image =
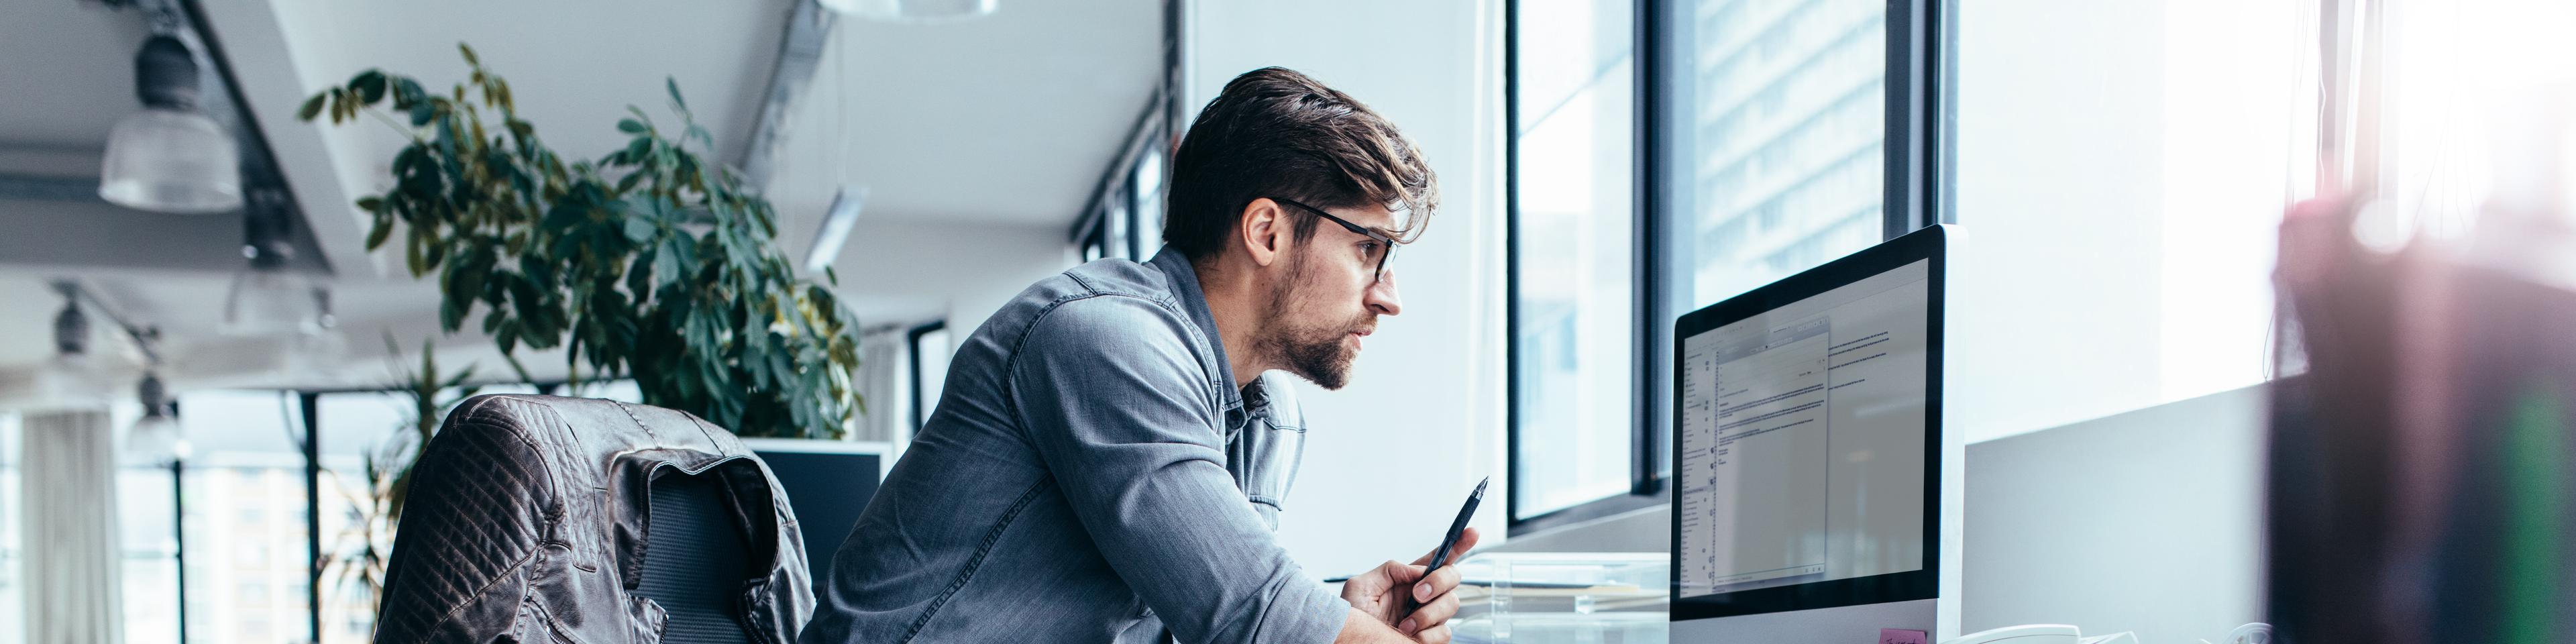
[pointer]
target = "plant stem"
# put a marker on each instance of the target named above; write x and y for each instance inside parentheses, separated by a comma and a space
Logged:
(412, 132)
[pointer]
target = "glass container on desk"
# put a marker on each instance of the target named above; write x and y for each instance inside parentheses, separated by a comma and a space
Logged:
(1591, 598)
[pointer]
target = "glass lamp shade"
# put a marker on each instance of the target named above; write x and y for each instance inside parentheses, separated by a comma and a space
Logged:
(154, 440)
(915, 11)
(319, 356)
(166, 160)
(272, 302)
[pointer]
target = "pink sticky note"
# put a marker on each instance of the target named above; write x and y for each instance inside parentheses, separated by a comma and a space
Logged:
(1902, 636)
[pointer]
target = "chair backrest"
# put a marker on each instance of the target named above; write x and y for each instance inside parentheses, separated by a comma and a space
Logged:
(695, 558)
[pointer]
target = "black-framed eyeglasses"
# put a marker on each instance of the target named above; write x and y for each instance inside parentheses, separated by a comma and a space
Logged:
(1388, 243)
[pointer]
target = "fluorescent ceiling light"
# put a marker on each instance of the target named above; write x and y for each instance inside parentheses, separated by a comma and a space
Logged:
(913, 11)
(836, 228)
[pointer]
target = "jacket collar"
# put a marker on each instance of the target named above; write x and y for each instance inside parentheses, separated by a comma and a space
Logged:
(1185, 287)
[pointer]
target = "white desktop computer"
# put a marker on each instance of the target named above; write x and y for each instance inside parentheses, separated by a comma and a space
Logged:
(1817, 494)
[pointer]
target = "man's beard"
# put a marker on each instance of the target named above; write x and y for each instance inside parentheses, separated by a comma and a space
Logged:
(1315, 353)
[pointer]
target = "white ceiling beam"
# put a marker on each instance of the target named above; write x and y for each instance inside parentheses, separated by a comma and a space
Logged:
(316, 164)
(800, 53)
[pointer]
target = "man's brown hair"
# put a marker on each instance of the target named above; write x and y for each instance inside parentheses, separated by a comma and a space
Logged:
(1276, 133)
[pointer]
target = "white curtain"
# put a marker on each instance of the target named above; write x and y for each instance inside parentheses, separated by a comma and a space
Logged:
(885, 381)
(72, 546)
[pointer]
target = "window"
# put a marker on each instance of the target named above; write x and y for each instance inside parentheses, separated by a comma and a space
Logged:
(1574, 227)
(1779, 113)
(242, 516)
(1148, 196)
(1667, 154)
(930, 353)
(1125, 215)
(363, 438)
(13, 597)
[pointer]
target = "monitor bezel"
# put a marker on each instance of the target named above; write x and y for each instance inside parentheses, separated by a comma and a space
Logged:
(1927, 244)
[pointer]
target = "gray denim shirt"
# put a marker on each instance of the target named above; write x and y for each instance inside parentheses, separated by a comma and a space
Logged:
(1090, 474)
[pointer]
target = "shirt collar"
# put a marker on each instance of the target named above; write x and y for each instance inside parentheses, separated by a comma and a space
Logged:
(1185, 287)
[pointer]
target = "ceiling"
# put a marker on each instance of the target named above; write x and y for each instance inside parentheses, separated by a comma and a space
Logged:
(71, 74)
(1002, 121)
(1009, 118)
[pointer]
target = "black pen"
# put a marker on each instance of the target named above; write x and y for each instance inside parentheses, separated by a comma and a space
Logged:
(1457, 527)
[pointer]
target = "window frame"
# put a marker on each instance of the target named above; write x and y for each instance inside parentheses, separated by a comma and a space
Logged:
(1914, 150)
(912, 345)
(1114, 195)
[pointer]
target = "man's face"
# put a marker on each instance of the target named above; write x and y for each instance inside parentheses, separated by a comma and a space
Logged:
(1328, 297)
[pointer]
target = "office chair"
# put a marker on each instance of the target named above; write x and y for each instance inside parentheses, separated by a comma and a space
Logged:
(540, 519)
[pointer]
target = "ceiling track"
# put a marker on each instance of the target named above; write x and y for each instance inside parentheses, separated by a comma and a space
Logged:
(800, 53)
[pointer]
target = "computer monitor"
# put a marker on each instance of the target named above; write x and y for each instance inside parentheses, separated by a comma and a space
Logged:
(1816, 494)
(828, 483)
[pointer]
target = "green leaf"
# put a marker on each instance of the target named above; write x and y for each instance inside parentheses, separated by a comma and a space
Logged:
(413, 257)
(312, 107)
(507, 336)
(369, 86)
(376, 235)
(630, 126)
(468, 50)
(673, 84)
(450, 315)
(639, 229)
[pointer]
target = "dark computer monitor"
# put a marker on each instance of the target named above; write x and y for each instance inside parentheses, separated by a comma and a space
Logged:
(828, 483)
(1816, 492)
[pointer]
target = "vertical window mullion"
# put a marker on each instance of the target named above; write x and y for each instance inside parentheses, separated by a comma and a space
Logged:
(1645, 476)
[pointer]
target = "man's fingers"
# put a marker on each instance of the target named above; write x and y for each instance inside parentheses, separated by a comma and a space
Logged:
(1435, 612)
(1438, 583)
(1466, 542)
(1434, 635)
(1400, 575)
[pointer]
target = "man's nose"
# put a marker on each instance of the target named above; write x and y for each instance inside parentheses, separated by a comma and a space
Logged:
(1380, 296)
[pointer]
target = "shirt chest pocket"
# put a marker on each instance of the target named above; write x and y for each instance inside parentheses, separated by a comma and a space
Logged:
(1264, 459)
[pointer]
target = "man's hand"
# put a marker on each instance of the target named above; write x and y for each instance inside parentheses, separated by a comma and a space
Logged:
(1397, 595)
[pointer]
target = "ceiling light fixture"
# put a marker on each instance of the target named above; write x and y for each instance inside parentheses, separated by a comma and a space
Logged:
(71, 327)
(914, 11)
(154, 439)
(851, 198)
(268, 297)
(836, 228)
(170, 157)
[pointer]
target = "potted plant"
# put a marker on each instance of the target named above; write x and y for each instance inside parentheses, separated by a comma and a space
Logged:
(650, 262)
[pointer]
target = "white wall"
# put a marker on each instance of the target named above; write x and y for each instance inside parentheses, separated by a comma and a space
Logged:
(909, 270)
(2120, 169)
(1389, 458)
(2149, 521)
(2042, 190)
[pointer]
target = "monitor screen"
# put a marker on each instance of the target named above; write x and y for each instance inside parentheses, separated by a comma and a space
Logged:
(1803, 442)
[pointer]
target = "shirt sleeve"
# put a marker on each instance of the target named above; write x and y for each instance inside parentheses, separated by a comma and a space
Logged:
(1120, 410)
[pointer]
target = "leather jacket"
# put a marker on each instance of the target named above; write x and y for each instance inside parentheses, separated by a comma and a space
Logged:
(526, 523)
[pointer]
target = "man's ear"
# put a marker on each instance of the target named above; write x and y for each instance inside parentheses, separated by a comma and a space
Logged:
(1264, 231)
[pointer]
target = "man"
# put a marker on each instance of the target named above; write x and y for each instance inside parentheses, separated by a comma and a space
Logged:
(1108, 459)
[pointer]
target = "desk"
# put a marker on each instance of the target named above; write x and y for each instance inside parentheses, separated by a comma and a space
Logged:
(1594, 598)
